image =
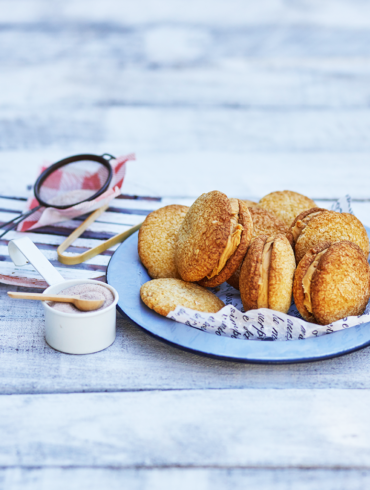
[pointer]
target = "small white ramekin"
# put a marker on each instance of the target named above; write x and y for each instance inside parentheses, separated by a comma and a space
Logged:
(72, 333)
(80, 333)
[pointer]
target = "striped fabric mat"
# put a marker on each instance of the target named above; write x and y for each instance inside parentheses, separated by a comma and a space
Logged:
(123, 213)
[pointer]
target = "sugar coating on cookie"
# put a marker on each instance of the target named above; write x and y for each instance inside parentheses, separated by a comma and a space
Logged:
(302, 220)
(157, 240)
(164, 295)
(250, 204)
(332, 282)
(236, 258)
(266, 223)
(341, 287)
(203, 236)
(286, 205)
(333, 227)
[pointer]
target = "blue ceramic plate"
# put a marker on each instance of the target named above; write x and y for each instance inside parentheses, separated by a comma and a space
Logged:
(126, 273)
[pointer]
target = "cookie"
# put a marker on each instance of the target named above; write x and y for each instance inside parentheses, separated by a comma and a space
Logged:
(234, 261)
(157, 238)
(234, 279)
(332, 281)
(264, 223)
(317, 225)
(213, 239)
(250, 204)
(266, 276)
(164, 295)
(286, 205)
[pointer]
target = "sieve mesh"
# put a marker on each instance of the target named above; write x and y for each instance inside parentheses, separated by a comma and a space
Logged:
(73, 183)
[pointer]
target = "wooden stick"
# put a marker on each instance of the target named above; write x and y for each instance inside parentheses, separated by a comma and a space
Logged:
(79, 302)
(44, 297)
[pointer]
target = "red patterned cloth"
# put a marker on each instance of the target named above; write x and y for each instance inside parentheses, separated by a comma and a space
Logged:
(61, 179)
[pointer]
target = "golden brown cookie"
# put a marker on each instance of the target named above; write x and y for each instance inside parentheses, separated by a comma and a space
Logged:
(286, 204)
(234, 279)
(213, 239)
(264, 223)
(266, 276)
(163, 295)
(237, 257)
(332, 281)
(301, 221)
(157, 238)
(250, 204)
(319, 225)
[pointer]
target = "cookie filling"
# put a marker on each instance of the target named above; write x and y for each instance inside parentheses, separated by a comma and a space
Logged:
(263, 283)
(301, 224)
(233, 241)
(306, 281)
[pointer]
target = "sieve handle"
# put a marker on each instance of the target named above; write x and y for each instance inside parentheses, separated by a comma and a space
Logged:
(20, 218)
(23, 250)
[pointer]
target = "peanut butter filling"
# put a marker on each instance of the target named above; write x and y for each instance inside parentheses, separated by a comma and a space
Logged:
(306, 281)
(263, 283)
(301, 224)
(233, 240)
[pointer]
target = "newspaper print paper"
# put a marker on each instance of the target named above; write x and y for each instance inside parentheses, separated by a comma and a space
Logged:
(263, 324)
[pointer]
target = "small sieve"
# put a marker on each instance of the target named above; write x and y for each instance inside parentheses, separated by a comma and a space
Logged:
(69, 182)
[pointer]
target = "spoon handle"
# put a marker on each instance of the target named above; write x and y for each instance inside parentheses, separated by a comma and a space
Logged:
(43, 297)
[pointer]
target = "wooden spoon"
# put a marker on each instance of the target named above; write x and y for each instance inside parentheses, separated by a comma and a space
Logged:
(80, 303)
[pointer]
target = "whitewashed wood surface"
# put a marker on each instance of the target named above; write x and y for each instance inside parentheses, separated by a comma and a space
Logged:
(246, 97)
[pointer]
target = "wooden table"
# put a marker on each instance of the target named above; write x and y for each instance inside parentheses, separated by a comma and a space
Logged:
(245, 97)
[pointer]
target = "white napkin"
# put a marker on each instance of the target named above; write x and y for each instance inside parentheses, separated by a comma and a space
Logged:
(263, 324)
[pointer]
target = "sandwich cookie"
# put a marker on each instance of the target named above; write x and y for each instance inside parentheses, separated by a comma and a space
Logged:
(264, 223)
(320, 225)
(164, 295)
(286, 204)
(157, 238)
(266, 276)
(331, 282)
(213, 239)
